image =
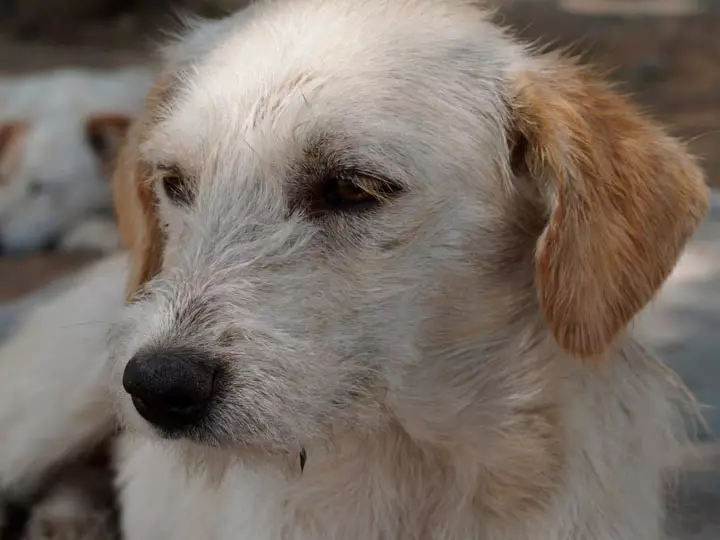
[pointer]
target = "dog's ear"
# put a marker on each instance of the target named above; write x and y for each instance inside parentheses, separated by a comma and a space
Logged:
(8, 132)
(105, 134)
(134, 200)
(622, 199)
(11, 137)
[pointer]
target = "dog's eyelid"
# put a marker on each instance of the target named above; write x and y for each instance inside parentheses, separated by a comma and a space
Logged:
(375, 180)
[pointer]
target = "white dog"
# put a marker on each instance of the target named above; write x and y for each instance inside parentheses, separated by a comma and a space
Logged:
(59, 133)
(383, 257)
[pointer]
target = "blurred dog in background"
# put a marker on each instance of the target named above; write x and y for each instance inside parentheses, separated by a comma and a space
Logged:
(59, 133)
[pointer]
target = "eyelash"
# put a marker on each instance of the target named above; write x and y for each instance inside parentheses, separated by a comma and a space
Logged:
(175, 186)
(352, 192)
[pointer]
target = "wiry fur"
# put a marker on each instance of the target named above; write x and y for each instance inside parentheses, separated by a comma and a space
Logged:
(438, 394)
(453, 363)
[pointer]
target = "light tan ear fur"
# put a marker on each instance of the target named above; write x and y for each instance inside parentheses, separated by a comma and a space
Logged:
(623, 200)
(134, 201)
(12, 137)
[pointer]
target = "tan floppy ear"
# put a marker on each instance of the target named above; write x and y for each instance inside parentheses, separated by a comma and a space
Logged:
(134, 201)
(105, 134)
(12, 135)
(623, 198)
(8, 132)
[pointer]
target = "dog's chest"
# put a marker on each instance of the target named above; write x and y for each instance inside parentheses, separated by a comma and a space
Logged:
(161, 500)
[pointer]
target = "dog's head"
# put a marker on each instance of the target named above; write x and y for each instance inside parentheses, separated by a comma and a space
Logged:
(52, 173)
(59, 137)
(345, 214)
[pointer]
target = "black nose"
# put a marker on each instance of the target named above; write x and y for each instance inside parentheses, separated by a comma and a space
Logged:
(170, 388)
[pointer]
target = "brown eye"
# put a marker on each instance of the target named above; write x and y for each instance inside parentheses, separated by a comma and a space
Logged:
(356, 192)
(176, 187)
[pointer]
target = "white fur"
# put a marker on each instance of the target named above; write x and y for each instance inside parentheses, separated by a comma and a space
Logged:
(59, 183)
(417, 374)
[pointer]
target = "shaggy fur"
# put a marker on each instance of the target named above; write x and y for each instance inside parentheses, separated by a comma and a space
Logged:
(427, 356)
(448, 363)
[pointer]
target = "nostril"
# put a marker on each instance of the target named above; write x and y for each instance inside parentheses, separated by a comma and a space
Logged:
(180, 402)
(183, 397)
(170, 387)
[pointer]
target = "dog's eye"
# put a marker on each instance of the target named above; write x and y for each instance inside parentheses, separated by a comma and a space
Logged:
(356, 191)
(175, 186)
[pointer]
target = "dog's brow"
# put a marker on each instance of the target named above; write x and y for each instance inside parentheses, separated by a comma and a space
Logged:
(325, 157)
(337, 153)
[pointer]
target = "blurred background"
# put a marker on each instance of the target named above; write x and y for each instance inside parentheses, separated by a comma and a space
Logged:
(664, 52)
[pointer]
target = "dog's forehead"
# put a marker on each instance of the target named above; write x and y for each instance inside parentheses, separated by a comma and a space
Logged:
(371, 68)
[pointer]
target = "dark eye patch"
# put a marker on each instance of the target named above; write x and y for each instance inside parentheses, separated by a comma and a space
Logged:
(351, 191)
(329, 184)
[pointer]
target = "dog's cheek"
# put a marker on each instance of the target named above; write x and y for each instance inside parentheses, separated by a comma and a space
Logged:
(263, 413)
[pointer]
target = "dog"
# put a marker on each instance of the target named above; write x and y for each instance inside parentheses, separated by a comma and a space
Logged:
(59, 136)
(383, 261)
(55, 409)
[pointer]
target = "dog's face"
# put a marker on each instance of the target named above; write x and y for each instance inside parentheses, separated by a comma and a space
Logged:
(341, 222)
(52, 172)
